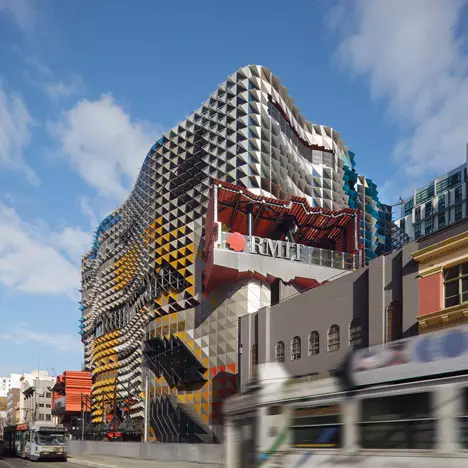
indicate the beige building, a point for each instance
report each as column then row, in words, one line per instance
column 36, row 397
column 12, row 403
column 443, row 283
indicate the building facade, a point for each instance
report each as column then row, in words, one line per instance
column 419, row 288
column 148, row 292
column 4, row 386
column 440, row 203
column 443, row 280
column 71, row 394
column 9, row 382
column 12, row 403
column 36, row 397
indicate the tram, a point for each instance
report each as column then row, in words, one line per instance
column 36, row 441
column 404, row 404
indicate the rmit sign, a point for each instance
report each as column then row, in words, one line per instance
column 267, row 247
column 275, row 248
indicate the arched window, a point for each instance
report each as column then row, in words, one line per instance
column 355, row 332
column 314, row 343
column 279, row 351
column 295, row 348
column 334, row 338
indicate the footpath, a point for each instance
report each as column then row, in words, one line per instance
column 106, row 461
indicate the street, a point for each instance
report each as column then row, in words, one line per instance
column 20, row 463
column 119, row 462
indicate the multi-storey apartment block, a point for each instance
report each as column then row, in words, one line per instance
column 237, row 207
column 440, row 203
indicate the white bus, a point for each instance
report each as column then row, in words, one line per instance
column 41, row 440
column 406, row 406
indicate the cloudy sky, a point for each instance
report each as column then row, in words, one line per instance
column 86, row 87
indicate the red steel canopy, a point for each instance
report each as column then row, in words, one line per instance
column 272, row 218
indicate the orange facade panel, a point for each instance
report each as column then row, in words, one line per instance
column 72, row 385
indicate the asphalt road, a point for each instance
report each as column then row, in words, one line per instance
column 20, row 463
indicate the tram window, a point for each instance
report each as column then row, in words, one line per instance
column 397, row 422
column 317, row 427
column 464, row 419
column 273, row 410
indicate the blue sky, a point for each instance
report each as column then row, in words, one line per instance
column 85, row 88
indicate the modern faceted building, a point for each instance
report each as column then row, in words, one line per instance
column 239, row 206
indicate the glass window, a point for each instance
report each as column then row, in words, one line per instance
column 458, row 212
column 48, row 395
column 51, row 438
column 279, row 351
column 334, row 338
column 428, row 226
column 417, row 214
column 441, row 220
column 428, row 209
column 409, row 207
column 314, row 343
column 403, row 224
column 48, row 417
column 295, row 348
column 456, row 285
column 274, row 410
column 397, row 422
column 458, row 194
column 355, row 332
column 317, row 427
column 441, row 203
column 417, row 230
column 463, row 420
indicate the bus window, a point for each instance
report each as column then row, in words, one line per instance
column 464, row 419
column 317, row 427
column 397, row 422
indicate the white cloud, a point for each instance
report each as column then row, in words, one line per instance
column 15, row 134
column 23, row 12
column 40, row 67
column 413, row 59
column 104, row 145
column 33, row 263
column 42, row 77
column 74, row 242
column 89, row 212
column 22, row 335
column 65, row 88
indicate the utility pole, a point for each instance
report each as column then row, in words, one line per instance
column 82, row 414
column 145, row 438
column 36, row 389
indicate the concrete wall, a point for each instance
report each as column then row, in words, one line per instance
column 202, row 453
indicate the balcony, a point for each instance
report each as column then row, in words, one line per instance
column 307, row 255
column 287, row 261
